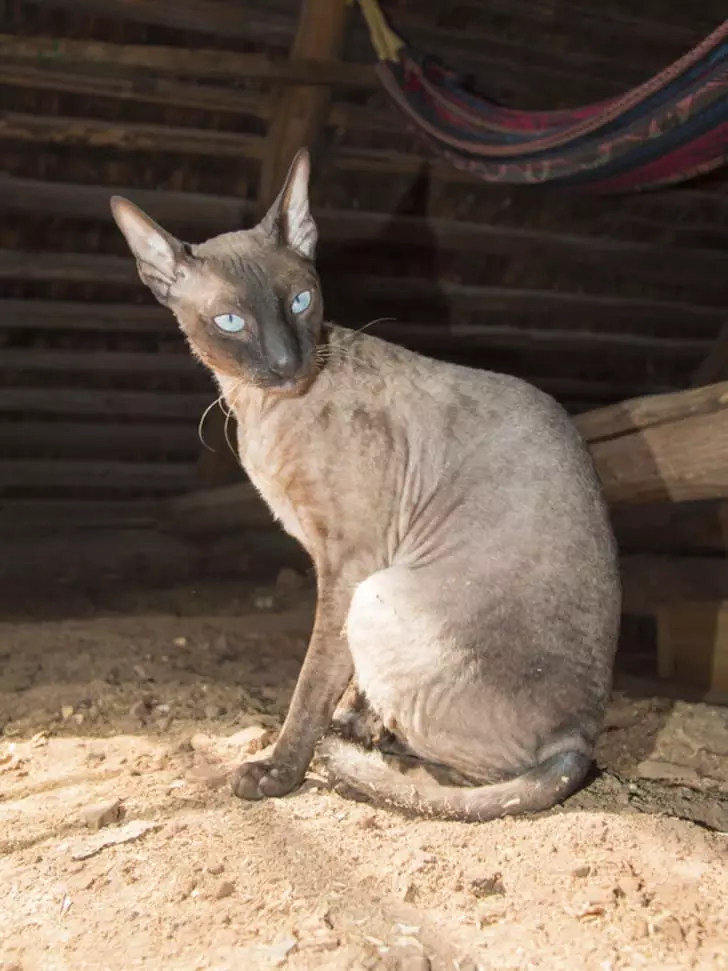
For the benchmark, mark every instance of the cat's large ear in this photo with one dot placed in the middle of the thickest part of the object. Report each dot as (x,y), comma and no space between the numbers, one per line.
(289,218)
(160,257)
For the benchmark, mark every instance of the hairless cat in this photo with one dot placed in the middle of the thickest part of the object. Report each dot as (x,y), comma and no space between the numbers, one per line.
(468,585)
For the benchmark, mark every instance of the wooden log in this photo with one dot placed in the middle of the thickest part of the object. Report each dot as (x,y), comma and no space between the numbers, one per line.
(714,367)
(129,136)
(651,581)
(301,109)
(681,460)
(125,84)
(76,316)
(206,215)
(218,509)
(102,318)
(89,475)
(594,23)
(61,515)
(494,299)
(628,416)
(692,644)
(102,403)
(210,17)
(693,528)
(44,359)
(209,214)
(98,439)
(520,71)
(187,62)
(500,303)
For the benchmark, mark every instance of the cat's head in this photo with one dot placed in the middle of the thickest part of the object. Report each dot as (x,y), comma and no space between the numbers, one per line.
(249,302)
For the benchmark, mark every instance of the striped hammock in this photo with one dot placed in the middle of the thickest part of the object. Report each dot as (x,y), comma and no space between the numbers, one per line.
(667,130)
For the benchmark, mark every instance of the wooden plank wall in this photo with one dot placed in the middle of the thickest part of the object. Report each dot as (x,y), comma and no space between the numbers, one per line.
(172,105)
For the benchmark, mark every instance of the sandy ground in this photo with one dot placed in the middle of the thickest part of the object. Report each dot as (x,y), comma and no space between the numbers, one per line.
(122,847)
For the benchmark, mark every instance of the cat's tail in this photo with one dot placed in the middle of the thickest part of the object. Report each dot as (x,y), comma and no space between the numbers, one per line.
(366,775)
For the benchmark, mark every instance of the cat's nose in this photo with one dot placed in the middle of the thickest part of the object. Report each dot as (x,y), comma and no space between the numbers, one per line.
(284,364)
(282,352)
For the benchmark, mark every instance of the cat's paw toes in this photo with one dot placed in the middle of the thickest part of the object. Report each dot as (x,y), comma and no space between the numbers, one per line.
(263,779)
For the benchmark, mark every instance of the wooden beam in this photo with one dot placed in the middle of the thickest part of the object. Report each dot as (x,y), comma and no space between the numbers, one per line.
(186,62)
(61,515)
(677,528)
(703,269)
(102,403)
(214,18)
(125,84)
(89,475)
(301,109)
(714,367)
(52,360)
(649,581)
(97,439)
(217,509)
(588,21)
(129,136)
(151,320)
(207,214)
(641,413)
(78,316)
(110,81)
(680,460)
(496,301)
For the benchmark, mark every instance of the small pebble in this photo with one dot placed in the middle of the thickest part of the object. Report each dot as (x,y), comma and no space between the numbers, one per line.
(487,886)
(215,869)
(180,642)
(213,711)
(66,712)
(583,870)
(77,718)
(103,814)
(199,742)
(251,739)
(224,889)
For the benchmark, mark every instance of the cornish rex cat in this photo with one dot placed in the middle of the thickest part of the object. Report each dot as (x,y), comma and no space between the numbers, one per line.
(467,573)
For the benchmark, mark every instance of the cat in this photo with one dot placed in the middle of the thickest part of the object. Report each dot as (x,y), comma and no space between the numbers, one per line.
(467,577)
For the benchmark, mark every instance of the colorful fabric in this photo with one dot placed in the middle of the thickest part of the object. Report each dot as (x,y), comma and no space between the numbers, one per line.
(669,129)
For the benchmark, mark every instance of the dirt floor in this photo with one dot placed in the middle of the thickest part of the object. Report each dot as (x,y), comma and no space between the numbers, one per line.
(121,846)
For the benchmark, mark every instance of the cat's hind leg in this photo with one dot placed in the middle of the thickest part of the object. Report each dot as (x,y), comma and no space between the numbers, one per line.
(455,708)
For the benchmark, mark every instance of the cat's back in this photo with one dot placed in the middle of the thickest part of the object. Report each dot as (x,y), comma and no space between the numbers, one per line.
(459,405)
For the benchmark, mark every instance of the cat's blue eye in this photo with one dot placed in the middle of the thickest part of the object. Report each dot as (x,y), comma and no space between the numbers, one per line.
(301,302)
(230,323)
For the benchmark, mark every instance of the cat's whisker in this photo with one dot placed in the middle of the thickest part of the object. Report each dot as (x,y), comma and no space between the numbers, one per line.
(227,437)
(201,423)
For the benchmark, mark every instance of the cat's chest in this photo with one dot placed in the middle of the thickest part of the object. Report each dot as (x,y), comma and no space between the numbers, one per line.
(280,475)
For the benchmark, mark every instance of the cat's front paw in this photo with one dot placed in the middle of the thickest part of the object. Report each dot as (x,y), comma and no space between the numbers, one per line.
(263,779)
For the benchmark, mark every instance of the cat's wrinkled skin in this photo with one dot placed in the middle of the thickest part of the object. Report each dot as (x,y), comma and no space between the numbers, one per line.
(467,572)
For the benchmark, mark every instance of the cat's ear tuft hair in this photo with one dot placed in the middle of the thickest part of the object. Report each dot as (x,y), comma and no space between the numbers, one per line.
(158,254)
(289,218)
